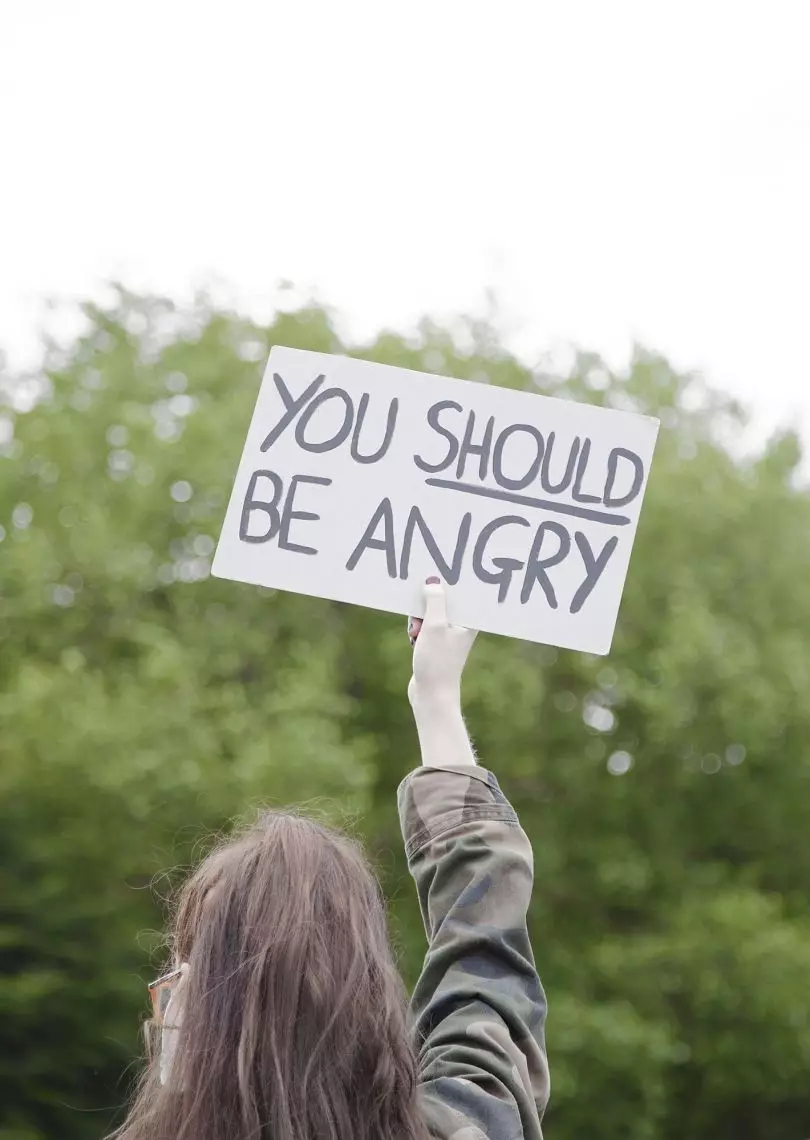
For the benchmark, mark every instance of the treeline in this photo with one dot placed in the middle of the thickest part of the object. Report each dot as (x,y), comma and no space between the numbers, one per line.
(144,705)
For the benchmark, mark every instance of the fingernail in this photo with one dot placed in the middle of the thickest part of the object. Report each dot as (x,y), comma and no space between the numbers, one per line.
(433,581)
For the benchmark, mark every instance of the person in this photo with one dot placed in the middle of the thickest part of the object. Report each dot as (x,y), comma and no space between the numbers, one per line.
(284,1016)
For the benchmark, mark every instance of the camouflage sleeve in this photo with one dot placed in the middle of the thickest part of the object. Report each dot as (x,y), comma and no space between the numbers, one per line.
(478,1009)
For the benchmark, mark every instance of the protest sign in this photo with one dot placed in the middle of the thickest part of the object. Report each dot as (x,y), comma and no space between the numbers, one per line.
(359,480)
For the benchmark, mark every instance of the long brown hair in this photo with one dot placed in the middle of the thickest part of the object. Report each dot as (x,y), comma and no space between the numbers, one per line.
(294,1012)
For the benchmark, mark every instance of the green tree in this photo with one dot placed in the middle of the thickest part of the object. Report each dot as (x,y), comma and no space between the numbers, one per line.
(144,705)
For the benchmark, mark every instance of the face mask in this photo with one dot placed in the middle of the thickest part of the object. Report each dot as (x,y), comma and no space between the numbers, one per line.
(172,1025)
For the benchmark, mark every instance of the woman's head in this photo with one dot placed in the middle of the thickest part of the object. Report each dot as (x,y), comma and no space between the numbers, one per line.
(293,1022)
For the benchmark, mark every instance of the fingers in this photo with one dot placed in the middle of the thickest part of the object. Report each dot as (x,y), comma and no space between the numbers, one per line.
(414,625)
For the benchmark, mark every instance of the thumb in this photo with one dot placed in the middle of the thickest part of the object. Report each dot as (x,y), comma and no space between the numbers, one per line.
(435,603)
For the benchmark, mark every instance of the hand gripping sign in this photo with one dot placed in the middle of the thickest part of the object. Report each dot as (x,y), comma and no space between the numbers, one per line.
(358,481)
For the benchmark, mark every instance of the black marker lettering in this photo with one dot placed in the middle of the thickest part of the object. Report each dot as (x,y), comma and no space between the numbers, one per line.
(481,449)
(452,449)
(268,507)
(450,572)
(506,566)
(497,458)
(536,567)
(292,407)
(638,477)
(343,431)
(384,513)
(393,408)
(577,493)
(593,567)
(288,514)
(545,478)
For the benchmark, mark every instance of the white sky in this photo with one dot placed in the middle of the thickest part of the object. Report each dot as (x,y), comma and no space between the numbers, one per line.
(614,170)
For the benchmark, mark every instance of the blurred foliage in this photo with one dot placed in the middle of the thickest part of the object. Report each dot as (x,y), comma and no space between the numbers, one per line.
(666,788)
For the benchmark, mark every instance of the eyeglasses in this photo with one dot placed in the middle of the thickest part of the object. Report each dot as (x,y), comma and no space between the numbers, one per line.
(160,991)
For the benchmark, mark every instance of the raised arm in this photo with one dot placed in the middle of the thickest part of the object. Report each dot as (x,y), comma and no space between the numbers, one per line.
(478,1008)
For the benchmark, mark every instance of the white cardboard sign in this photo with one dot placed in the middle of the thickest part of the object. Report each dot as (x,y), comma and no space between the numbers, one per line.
(360,480)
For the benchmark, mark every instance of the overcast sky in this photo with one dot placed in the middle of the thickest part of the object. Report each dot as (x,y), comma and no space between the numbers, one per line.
(613,170)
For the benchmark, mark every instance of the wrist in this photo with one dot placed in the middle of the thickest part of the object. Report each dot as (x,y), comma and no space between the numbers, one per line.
(434,701)
(443,737)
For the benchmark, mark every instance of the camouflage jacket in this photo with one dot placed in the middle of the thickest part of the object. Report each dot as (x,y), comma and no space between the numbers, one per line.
(478,1009)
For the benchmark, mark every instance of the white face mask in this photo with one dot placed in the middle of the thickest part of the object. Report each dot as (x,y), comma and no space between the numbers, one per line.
(172,1024)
